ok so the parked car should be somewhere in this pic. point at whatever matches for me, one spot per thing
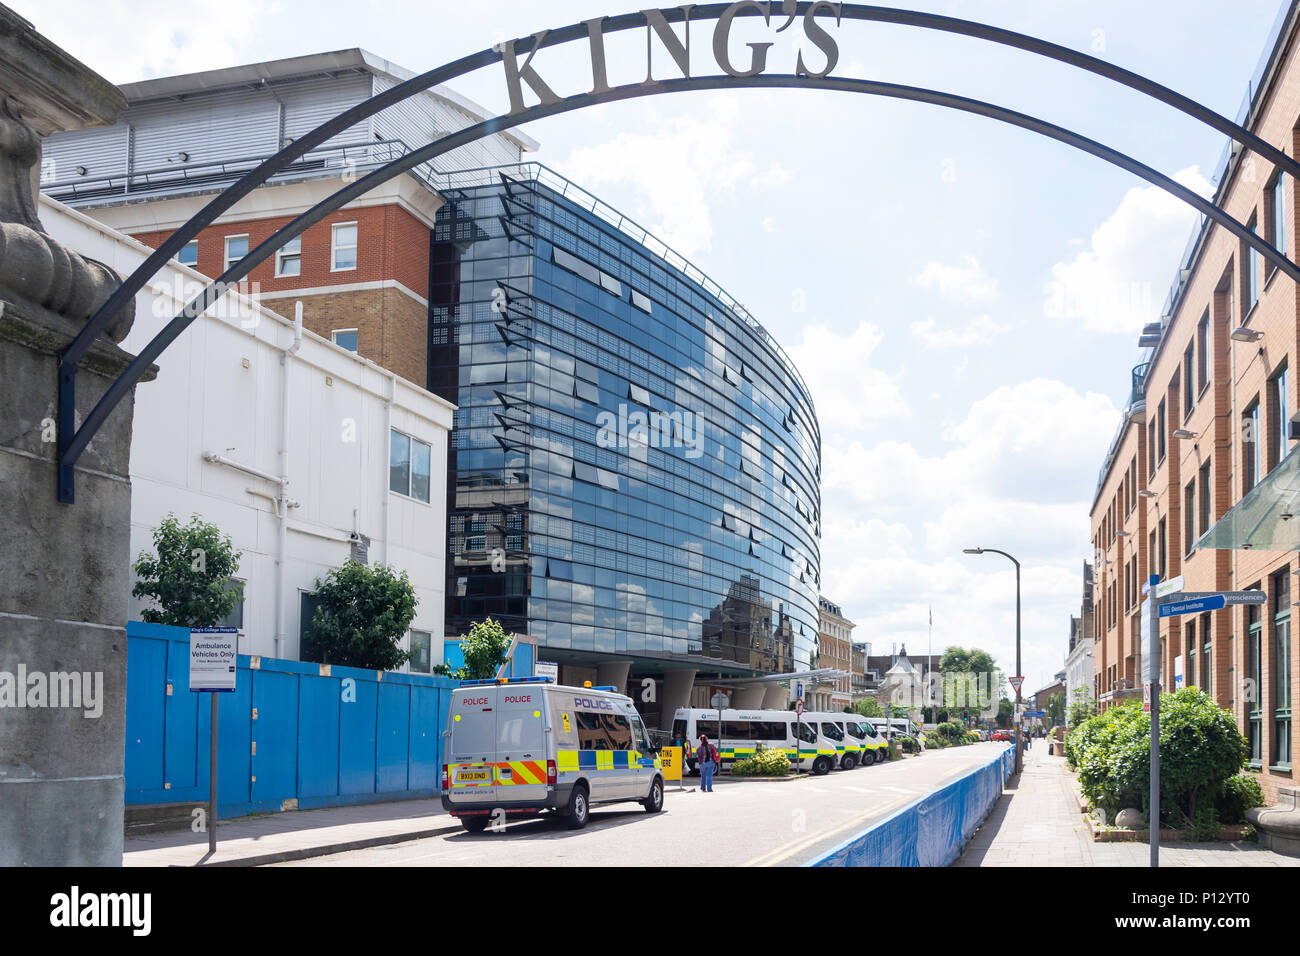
(1002, 735)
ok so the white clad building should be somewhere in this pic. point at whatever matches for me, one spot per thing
(363, 455)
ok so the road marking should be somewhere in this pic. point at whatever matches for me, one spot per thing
(773, 857)
(859, 789)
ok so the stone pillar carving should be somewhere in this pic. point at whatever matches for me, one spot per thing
(65, 575)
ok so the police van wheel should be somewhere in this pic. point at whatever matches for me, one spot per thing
(474, 824)
(575, 817)
(655, 801)
(821, 766)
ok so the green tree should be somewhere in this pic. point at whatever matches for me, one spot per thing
(1081, 707)
(955, 667)
(868, 707)
(1055, 709)
(190, 578)
(362, 614)
(485, 648)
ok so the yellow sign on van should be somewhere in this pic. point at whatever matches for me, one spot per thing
(672, 758)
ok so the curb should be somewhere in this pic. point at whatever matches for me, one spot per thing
(306, 853)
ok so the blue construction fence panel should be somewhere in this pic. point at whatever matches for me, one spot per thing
(286, 733)
(931, 831)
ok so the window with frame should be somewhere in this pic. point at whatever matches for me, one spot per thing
(1277, 214)
(235, 618)
(409, 461)
(421, 646)
(1251, 285)
(1189, 654)
(1281, 667)
(1189, 391)
(1255, 690)
(1251, 448)
(1164, 549)
(1203, 352)
(236, 249)
(1189, 516)
(288, 258)
(1280, 420)
(1151, 448)
(1207, 500)
(343, 246)
(1160, 428)
(1207, 655)
(189, 254)
(345, 338)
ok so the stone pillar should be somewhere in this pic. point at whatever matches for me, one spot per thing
(748, 697)
(676, 693)
(613, 674)
(776, 697)
(65, 573)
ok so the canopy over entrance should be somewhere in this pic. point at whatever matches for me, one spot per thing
(1266, 518)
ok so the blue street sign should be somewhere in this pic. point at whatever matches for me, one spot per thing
(1212, 603)
(1035, 713)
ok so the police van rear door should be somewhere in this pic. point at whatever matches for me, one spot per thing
(471, 770)
(521, 743)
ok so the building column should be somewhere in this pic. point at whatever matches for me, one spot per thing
(613, 674)
(63, 593)
(748, 697)
(776, 697)
(676, 692)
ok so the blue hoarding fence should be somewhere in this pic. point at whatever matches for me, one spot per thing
(932, 830)
(288, 735)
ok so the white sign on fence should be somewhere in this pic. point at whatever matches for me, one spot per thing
(213, 652)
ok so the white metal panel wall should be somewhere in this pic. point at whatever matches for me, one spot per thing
(102, 150)
(420, 119)
(209, 128)
(310, 102)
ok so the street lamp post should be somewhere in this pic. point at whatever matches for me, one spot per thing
(1016, 716)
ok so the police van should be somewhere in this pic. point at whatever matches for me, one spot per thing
(517, 748)
(744, 731)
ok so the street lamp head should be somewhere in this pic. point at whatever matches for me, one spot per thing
(972, 550)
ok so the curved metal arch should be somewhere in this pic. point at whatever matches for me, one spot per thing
(267, 247)
(579, 31)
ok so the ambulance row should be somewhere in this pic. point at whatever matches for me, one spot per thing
(527, 747)
(815, 742)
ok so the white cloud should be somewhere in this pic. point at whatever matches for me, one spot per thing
(151, 37)
(676, 165)
(1119, 281)
(981, 330)
(849, 394)
(968, 283)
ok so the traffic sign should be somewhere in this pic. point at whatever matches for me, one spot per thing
(1230, 598)
(1035, 713)
(1146, 697)
(1016, 682)
(719, 700)
(1176, 608)
(212, 659)
(798, 707)
(1170, 586)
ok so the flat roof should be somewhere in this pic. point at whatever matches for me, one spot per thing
(352, 60)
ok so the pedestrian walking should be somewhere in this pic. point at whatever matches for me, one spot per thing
(706, 758)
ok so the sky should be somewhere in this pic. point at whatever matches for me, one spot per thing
(962, 297)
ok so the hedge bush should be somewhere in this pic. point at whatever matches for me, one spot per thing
(764, 763)
(1237, 795)
(1200, 750)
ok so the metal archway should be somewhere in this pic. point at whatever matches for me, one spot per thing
(72, 441)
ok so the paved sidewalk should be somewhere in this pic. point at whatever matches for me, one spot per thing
(1037, 822)
(293, 835)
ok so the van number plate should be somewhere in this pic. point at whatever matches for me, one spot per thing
(466, 776)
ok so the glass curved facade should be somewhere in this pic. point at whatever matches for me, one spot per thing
(634, 472)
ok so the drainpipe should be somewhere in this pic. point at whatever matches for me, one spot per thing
(282, 500)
